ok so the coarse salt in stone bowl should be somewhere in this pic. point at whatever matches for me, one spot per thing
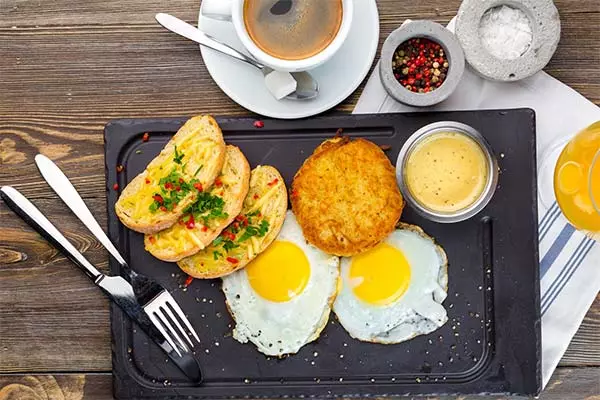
(504, 27)
(436, 33)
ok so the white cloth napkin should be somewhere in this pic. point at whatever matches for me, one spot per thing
(569, 261)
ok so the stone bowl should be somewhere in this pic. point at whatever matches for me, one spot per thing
(544, 21)
(428, 30)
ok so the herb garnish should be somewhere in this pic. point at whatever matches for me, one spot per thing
(178, 156)
(173, 188)
(243, 223)
(207, 207)
(229, 245)
(259, 231)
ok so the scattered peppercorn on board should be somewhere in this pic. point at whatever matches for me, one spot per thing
(491, 342)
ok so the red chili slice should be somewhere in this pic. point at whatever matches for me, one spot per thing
(218, 182)
(158, 198)
(116, 186)
(233, 260)
(147, 181)
(198, 186)
(273, 182)
(163, 208)
(152, 239)
(188, 281)
(191, 224)
(146, 137)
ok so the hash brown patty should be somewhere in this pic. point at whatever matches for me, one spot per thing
(345, 196)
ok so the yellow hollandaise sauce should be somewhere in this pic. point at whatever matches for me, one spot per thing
(446, 172)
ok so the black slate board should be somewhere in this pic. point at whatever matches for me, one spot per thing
(491, 343)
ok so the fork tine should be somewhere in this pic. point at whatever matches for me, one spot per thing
(162, 330)
(170, 328)
(170, 301)
(181, 330)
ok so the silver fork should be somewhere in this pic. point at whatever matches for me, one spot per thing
(121, 291)
(156, 301)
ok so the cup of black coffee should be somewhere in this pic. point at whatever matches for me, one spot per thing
(287, 35)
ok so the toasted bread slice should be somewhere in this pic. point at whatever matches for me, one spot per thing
(155, 199)
(210, 214)
(252, 232)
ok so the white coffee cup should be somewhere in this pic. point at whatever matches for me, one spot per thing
(233, 10)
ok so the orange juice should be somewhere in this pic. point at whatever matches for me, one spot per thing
(577, 180)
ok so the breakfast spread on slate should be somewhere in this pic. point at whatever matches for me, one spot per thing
(338, 237)
(341, 246)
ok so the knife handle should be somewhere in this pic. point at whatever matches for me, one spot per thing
(34, 218)
(126, 301)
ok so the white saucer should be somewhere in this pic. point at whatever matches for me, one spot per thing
(337, 78)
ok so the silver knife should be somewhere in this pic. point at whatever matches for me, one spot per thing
(117, 288)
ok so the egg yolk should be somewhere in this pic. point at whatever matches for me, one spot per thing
(279, 273)
(380, 276)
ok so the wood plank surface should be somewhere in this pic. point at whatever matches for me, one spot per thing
(66, 68)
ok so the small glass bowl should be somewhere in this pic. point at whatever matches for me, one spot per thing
(455, 127)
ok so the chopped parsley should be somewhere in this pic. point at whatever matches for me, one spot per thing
(260, 231)
(173, 187)
(198, 170)
(207, 207)
(228, 240)
(229, 244)
(178, 156)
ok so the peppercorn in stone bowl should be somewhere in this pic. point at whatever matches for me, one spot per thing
(421, 63)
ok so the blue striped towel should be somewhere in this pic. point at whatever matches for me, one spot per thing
(569, 261)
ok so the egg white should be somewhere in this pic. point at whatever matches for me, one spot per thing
(417, 312)
(278, 328)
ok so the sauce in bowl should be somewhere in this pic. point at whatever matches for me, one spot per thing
(446, 172)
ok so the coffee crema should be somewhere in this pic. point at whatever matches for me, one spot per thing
(304, 31)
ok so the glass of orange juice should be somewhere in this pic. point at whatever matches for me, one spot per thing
(577, 181)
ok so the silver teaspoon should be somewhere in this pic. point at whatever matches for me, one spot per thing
(306, 86)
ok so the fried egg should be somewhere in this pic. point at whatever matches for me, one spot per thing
(394, 291)
(282, 299)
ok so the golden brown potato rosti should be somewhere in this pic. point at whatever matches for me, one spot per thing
(345, 196)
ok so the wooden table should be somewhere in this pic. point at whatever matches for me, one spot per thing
(66, 68)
